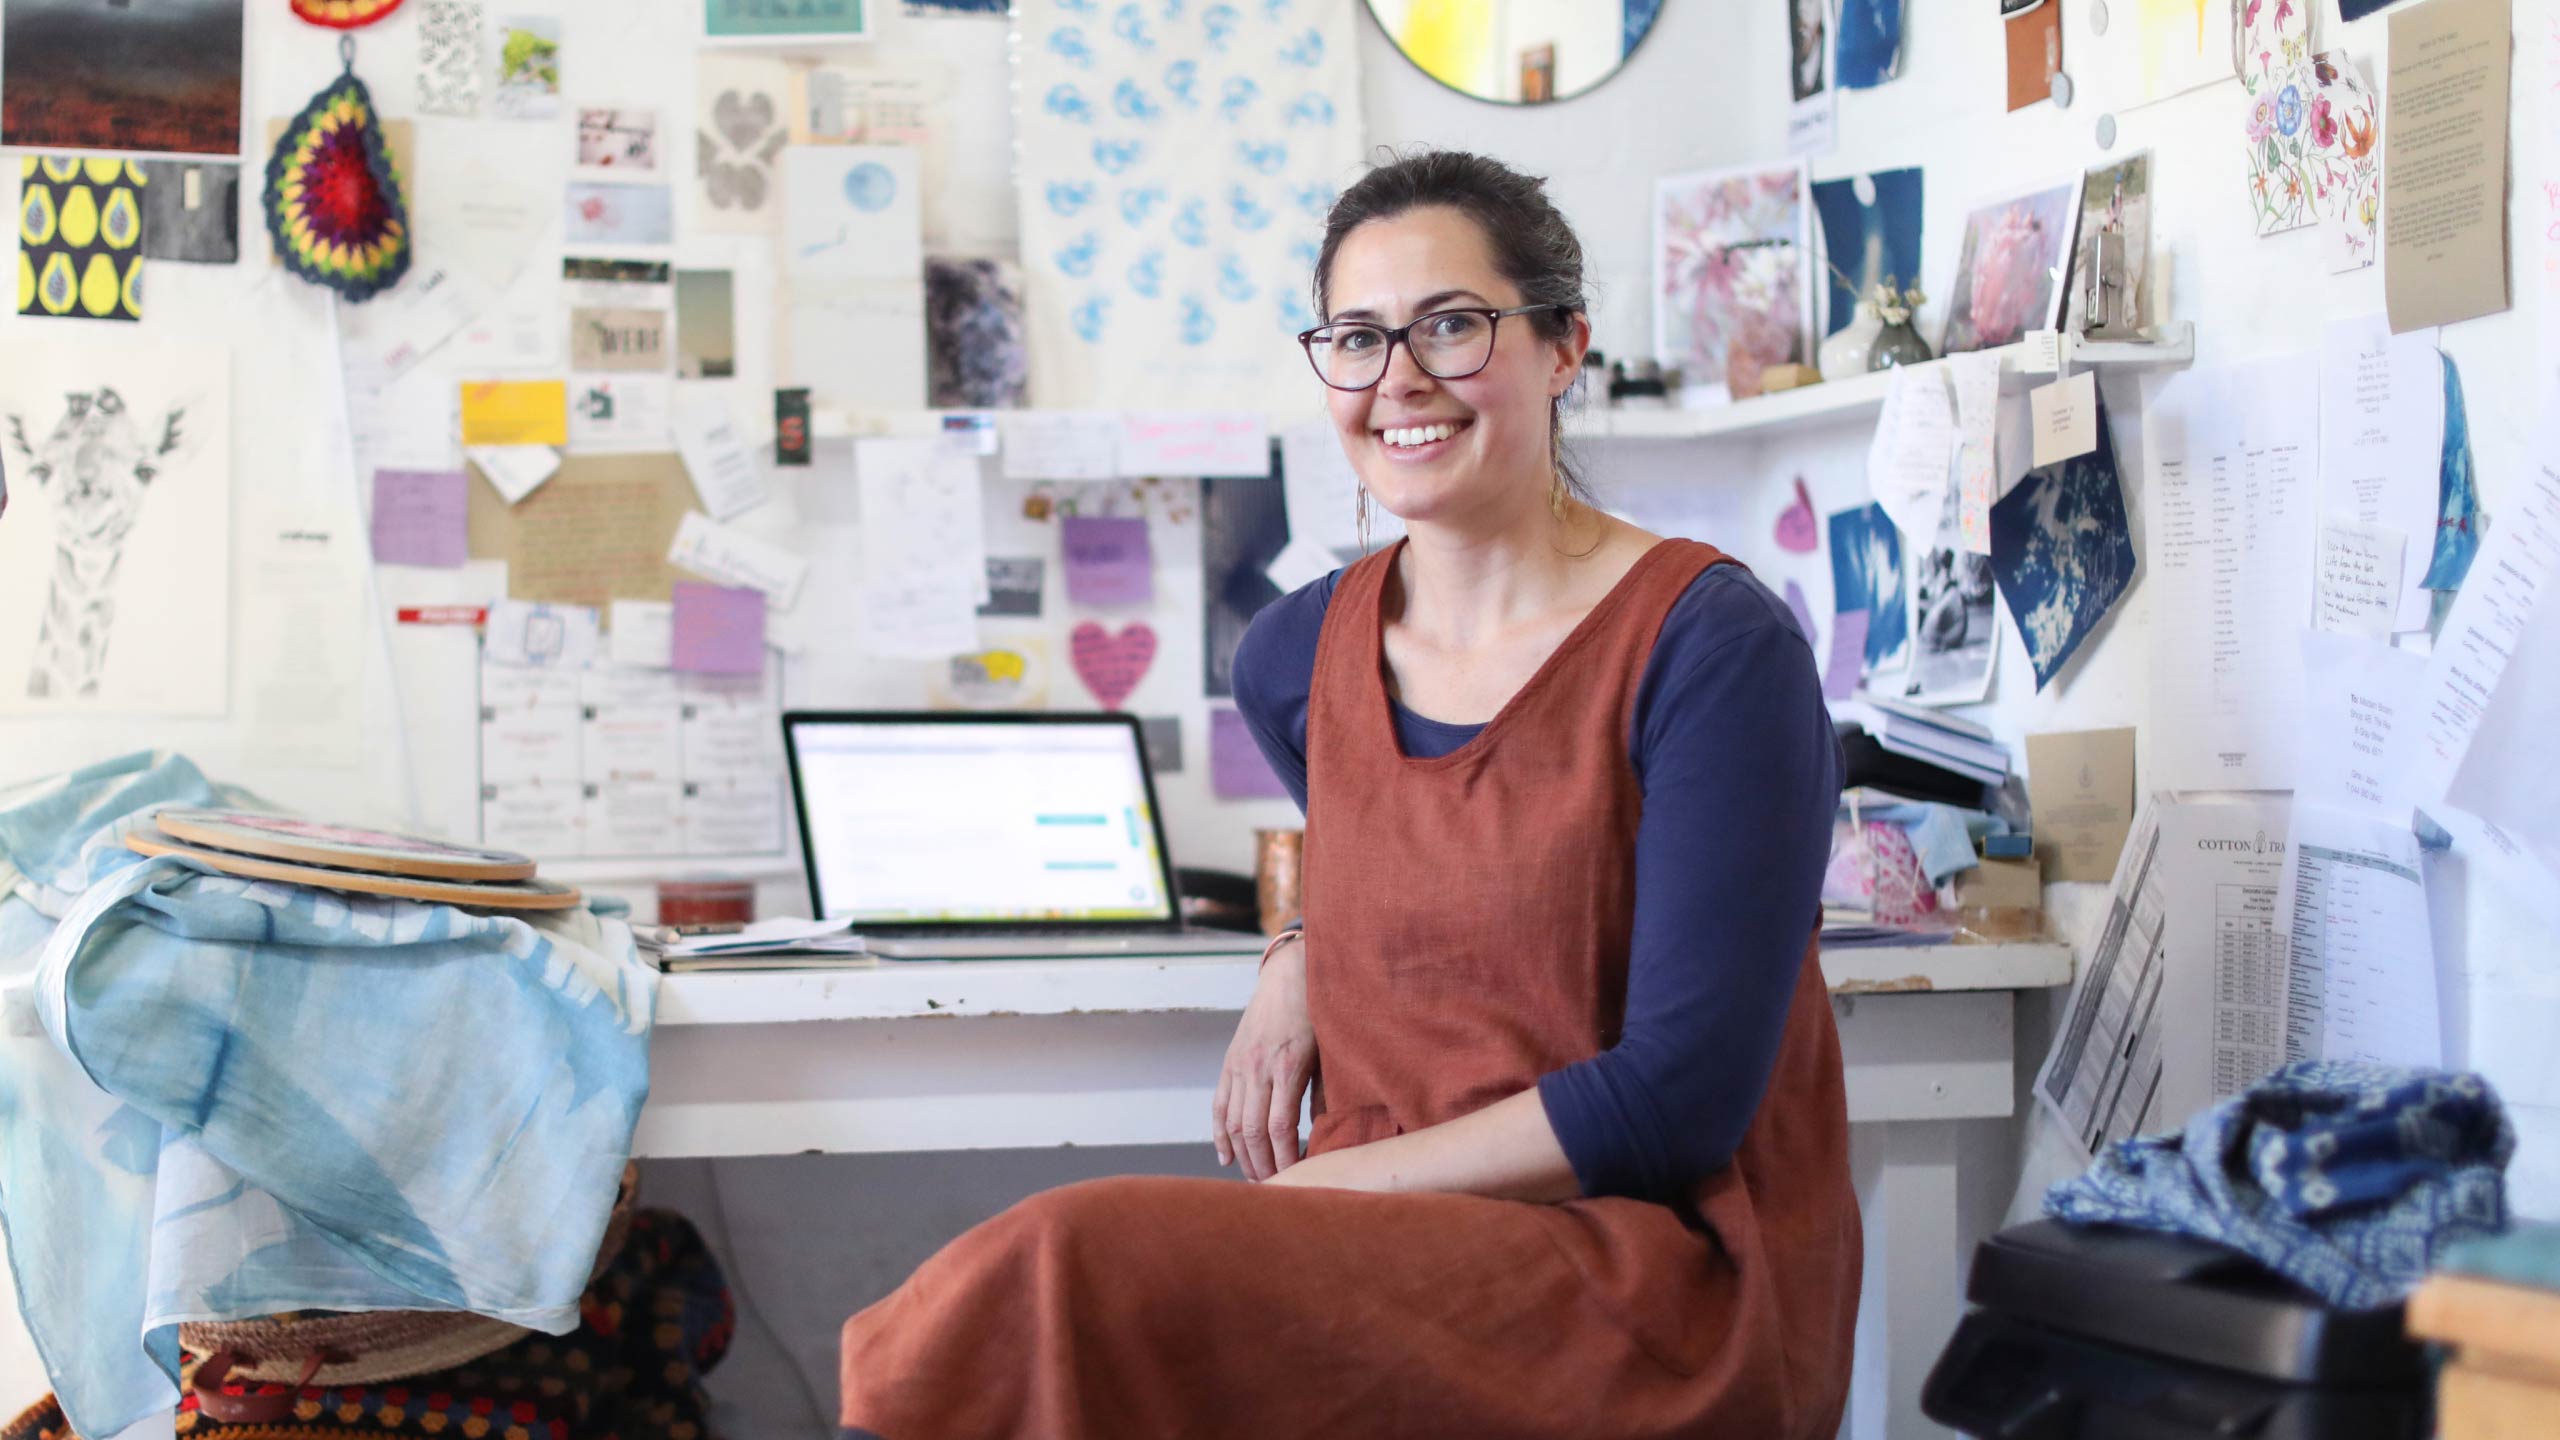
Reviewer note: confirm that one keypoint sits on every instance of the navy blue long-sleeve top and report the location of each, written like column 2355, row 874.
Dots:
column 1740, row 774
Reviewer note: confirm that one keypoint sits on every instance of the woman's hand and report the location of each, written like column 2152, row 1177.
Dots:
column 1268, row 1067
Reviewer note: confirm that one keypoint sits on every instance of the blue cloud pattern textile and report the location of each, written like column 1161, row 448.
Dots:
column 1177, row 160
column 2344, row 1177
column 223, row 1098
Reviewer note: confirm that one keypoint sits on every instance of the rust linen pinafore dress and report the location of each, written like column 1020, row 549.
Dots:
column 1470, row 920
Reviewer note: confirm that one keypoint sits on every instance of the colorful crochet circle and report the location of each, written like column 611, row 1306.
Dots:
column 344, row 14
column 333, row 199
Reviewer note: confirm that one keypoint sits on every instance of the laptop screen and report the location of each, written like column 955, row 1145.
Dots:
column 916, row 820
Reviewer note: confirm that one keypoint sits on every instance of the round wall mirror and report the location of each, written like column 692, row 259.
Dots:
column 1517, row 52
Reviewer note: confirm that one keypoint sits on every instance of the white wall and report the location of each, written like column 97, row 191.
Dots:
column 1707, row 88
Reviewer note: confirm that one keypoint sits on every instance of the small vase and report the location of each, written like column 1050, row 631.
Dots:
column 1845, row 354
column 1898, row 344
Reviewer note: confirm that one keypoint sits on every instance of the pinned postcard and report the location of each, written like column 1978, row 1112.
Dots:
column 2062, row 552
column 853, row 212
column 527, row 66
column 717, row 456
column 619, row 215
column 1866, row 575
column 1227, row 444
column 619, row 414
column 515, row 412
column 720, row 552
column 618, row 139
column 1013, row 587
column 2080, row 789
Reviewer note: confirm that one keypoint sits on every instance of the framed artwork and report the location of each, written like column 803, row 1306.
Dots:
column 137, row 79
column 1732, row 282
column 2009, row 276
column 785, row 22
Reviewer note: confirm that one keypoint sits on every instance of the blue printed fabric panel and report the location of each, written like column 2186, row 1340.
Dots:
column 1177, row 161
column 222, row 1098
column 2346, row 1177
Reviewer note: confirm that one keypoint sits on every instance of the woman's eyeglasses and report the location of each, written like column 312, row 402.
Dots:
column 1447, row 344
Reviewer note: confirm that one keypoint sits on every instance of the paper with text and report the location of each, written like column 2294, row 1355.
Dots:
column 924, row 556
column 720, row 552
column 2357, row 578
column 2360, row 963
column 2382, row 443
column 1207, row 443
column 2355, row 692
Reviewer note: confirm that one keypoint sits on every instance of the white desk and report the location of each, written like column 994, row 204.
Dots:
column 1019, row 1054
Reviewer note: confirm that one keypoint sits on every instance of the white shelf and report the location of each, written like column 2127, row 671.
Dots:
column 915, row 989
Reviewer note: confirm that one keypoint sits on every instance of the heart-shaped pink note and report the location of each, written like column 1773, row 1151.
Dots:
column 1112, row 665
column 1795, row 523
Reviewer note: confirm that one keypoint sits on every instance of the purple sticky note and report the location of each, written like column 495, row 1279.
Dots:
column 1237, row 770
column 1108, row 562
column 1848, row 654
column 421, row 517
column 719, row 629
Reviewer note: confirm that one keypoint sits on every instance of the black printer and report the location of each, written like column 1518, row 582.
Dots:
column 2102, row 1333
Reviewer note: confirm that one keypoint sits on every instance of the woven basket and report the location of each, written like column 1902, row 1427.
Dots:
column 331, row 1348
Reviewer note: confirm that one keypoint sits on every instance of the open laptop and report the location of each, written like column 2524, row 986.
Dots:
column 974, row 836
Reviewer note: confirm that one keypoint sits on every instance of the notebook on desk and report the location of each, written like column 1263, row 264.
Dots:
column 972, row 837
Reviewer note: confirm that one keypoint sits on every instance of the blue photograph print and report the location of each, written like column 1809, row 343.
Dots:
column 2062, row 552
column 2457, row 498
column 1866, row 574
column 1870, row 233
column 1870, row 51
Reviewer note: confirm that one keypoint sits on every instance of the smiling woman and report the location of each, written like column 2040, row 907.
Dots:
column 1579, row 1158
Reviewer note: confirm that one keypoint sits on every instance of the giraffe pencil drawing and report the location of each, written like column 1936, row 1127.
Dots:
column 97, row 467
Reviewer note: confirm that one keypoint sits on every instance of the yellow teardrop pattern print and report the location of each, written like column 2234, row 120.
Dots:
column 26, row 282
column 103, row 171
column 37, row 217
column 121, row 223
column 62, row 167
column 132, row 288
column 57, row 289
column 80, row 218
column 100, row 288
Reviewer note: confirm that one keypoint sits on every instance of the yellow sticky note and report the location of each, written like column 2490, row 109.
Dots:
column 515, row 412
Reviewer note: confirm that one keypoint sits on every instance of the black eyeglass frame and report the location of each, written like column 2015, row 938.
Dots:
column 1493, row 320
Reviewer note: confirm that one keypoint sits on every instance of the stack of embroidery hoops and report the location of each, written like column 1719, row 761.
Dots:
column 343, row 857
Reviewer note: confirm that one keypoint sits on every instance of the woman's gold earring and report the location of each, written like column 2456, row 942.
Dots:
column 1556, row 496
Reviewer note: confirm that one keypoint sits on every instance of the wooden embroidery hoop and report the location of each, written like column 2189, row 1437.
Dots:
column 340, row 847
column 535, row 894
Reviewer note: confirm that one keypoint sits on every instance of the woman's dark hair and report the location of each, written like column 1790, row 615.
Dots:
column 1534, row 247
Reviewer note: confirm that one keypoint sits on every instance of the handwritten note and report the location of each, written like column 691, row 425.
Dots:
column 924, row 569
column 1914, row 443
column 2354, row 692
column 1108, row 560
column 2064, row 418
column 2357, row 578
column 1061, row 445
column 1194, row 443
column 717, row 456
column 720, row 552
column 719, row 629
column 421, row 517
column 1976, row 375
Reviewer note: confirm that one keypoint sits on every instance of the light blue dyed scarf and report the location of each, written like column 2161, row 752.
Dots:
column 223, row 1098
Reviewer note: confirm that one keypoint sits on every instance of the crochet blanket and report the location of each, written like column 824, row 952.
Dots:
column 2344, row 1177
column 223, row 1098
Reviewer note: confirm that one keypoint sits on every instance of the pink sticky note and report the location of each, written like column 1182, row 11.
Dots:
column 719, row 629
column 1848, row 654
column 1108, row 562
column 421, row 517
column 1237, row 770
column 1796, row 525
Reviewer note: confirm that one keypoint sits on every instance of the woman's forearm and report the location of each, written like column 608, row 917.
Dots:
column 1507, row 1150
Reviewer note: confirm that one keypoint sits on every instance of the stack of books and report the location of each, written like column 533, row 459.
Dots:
column 1938, row 738
column 2495, row 1304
